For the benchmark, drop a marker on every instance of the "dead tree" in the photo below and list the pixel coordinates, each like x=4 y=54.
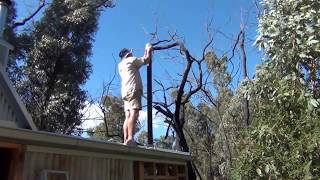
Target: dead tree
x=175 y=118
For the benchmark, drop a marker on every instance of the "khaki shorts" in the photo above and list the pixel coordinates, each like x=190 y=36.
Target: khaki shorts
x=133 y=101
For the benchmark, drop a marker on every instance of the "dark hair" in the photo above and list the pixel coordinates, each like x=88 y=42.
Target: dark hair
x=124 y=52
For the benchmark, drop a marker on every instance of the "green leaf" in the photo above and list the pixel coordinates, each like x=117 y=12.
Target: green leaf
x=313 y=42
x=267 y=169
x=314 y=102
x=259 y=172
x=306 y=170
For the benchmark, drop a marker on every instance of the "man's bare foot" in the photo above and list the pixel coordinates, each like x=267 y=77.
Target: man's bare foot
x=131 y=143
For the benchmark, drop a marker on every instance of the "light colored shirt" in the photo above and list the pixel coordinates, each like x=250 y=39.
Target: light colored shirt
x=130 y=75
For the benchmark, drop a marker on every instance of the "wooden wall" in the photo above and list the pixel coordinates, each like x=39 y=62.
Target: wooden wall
x=78 y=167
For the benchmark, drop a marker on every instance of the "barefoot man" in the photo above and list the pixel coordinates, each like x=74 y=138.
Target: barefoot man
x=132 y=89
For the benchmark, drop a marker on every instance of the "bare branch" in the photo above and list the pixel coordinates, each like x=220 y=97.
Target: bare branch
x=156 y=43
x=25 y=20
x=166 y=46
x=162 y=111
x=163 y=91
x=257 y=8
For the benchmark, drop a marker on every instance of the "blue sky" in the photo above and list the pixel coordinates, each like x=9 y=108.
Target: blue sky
x=126 y=25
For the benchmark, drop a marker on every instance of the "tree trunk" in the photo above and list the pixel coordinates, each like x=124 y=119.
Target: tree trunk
x=245 y=76
x=185 y=148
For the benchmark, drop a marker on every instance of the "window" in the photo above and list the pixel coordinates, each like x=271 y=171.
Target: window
x=54 y=175
x=159 y=171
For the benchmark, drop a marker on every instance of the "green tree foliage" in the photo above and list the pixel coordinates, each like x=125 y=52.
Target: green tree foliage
x=57 y=65
x=142 y=137
x=165 y=142
x=162 y=142
x=284 y=139
x=112 y=127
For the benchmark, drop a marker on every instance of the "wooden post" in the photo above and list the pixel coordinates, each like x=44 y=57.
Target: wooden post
x=149 y=103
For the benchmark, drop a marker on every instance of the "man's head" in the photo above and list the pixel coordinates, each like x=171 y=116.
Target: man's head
x=124 y=53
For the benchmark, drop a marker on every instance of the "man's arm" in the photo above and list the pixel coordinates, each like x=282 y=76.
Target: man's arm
x=145 y=59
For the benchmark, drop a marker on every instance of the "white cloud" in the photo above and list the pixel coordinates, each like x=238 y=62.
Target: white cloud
x=157 y=120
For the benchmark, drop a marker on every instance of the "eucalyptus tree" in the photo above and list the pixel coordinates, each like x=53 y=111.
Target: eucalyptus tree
x=283 y=141
x=55 y=64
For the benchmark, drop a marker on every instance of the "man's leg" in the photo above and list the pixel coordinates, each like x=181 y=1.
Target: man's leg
x=135 y=106
x=131 y=124
x=125 y=126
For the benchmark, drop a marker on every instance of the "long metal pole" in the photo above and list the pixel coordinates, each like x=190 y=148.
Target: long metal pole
x=149 y=103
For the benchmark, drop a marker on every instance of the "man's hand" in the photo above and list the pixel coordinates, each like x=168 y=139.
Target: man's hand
x=148 y=47
x=148 y=53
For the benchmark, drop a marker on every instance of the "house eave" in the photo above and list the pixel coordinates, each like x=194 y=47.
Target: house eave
x=78 y=145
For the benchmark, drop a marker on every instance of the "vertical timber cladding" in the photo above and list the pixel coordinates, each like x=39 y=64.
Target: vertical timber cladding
x=78 y=167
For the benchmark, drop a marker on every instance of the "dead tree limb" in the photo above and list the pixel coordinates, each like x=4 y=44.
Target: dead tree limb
x=176 y=118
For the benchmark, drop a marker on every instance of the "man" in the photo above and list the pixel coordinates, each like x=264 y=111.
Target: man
x=132 y=89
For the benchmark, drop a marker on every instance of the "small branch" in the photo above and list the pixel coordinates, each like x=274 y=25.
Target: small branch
x=257 y=7
x=235 y=45
x=205 y=48
x=105 y=3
